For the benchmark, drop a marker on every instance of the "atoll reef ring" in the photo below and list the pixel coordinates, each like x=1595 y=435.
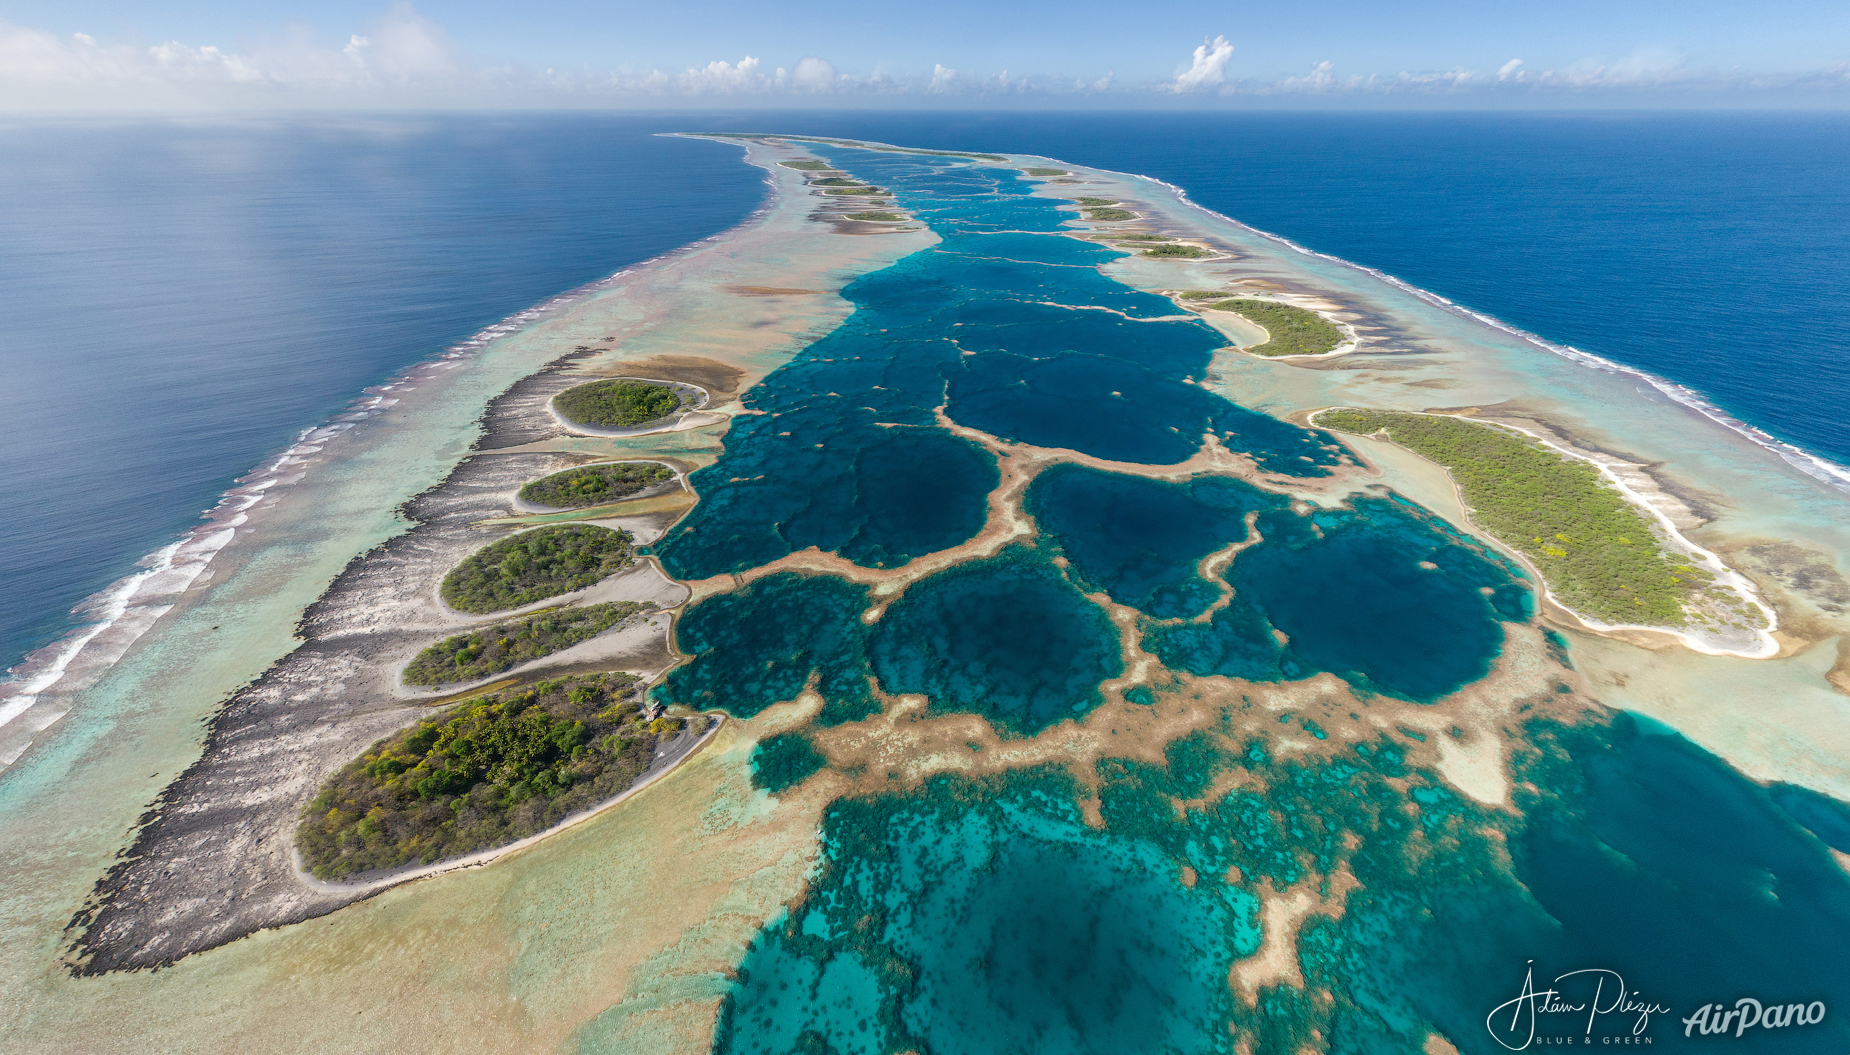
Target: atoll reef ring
x=1076 y=684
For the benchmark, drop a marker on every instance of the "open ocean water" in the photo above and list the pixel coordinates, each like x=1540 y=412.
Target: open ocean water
x=185 y=297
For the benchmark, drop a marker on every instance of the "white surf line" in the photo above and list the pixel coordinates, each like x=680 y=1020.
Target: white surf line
x=1768 y=646
x=1812 y=465
x=484 y=857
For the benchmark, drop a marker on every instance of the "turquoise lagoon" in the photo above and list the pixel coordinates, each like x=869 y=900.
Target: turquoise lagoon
x=984 y=914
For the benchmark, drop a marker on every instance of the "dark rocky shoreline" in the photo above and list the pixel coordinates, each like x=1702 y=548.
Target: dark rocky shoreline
x=213 y=859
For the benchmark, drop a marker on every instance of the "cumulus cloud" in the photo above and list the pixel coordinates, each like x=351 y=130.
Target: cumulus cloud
x=1208 y=69
x=715 y=78
x=943 y=78
x=814 y=75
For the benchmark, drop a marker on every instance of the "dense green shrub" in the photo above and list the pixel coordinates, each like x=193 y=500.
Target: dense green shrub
x=835 y=181
x=854 y=191
x=784 y=761
x=1045 y=172
x=589 y=485
x=805 y=166
x=616 y=403
x=1105 y=215
x=1187 y=252
x=1094 y=202
x=1598 y=553
x=876 y=217
x=494 y=649
x=1293 y=330
x=535 y=565
x=484 y=773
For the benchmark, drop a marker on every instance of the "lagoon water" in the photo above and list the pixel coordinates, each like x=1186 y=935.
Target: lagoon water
x=976 y=911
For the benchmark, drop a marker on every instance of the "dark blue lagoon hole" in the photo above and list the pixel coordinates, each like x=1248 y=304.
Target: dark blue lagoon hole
x=1141 y=540
x=1383 y=594
x=1007 y=638
x=759 y=645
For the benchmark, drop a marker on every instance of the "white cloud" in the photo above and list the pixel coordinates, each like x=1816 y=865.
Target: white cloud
x=1208 y=68
x=719 y=78
x=814 y=75
x=1504 y=71
x=943 y=78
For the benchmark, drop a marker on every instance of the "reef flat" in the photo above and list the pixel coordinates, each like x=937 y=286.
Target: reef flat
x=1089 y=697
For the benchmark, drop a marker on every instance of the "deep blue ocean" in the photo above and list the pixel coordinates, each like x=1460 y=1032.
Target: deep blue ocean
x=184 y=297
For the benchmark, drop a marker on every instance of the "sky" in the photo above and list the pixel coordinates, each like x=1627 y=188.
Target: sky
x=629 y=54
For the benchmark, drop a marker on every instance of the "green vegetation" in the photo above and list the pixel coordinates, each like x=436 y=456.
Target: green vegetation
x=1184 y=252
x=1293 y=330
x=1105 y=215
x=588 y=485
x=1202 y=294
x=784 y=761
x=535 y=565
x=835 y=181
x=616 y=403
x=494 y=649
x=876 y=217
x=1597 y=551
x=482 y=774
x=859 y=191
x=806 y=166
x=1096 y=201
x=1144 y=238
x=1045 y=172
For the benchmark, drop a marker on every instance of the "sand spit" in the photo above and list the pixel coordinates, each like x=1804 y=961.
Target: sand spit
x=213 y=860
